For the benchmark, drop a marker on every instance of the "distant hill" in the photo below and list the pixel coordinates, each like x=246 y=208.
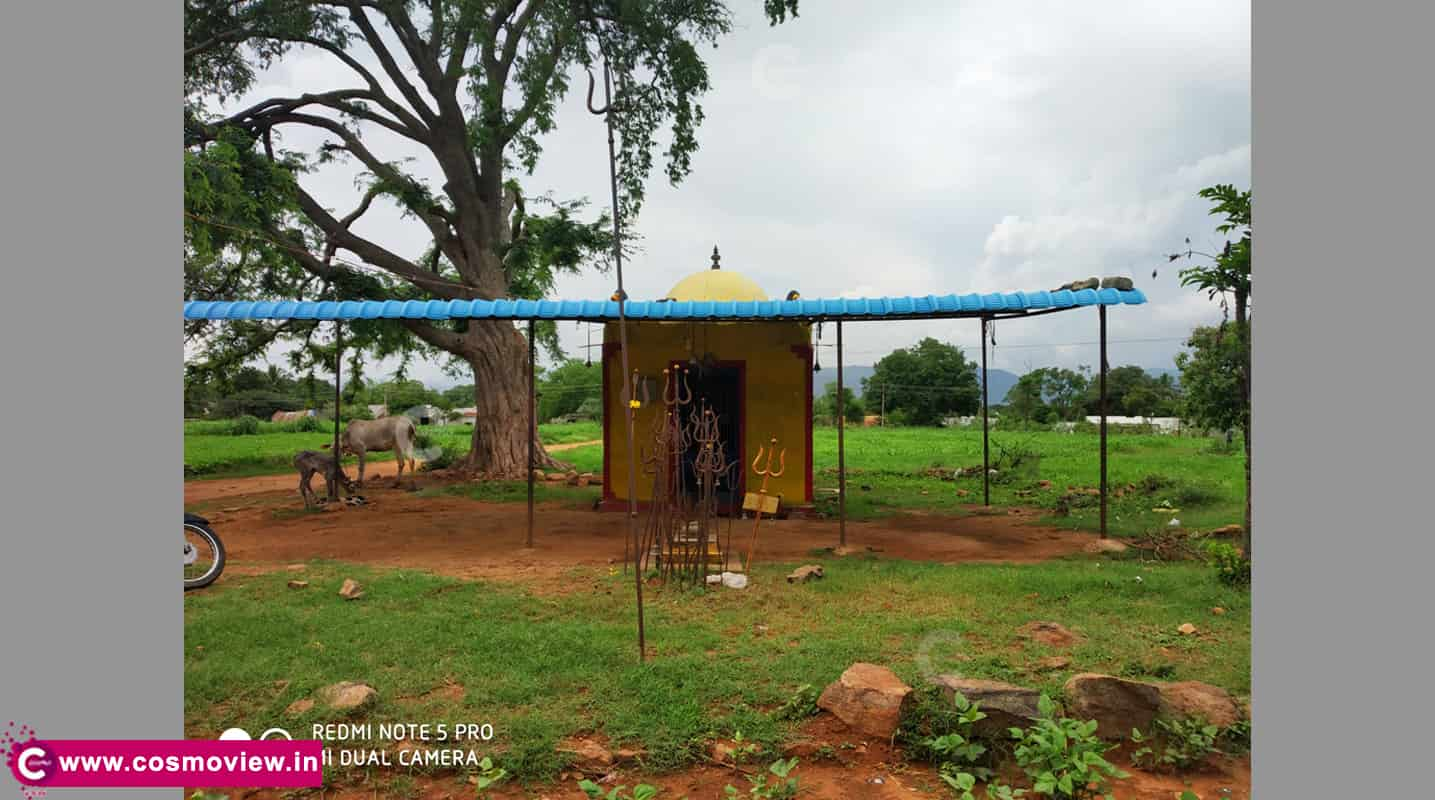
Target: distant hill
x=1002 y=380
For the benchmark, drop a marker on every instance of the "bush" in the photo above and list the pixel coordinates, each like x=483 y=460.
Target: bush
x=1063 y=757
x=254 y=402
x=307 y=425
x=1231 y=566
x=244 y=426
x=1174 y=744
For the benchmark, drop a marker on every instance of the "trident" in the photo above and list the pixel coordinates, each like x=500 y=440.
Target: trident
x=766 y=472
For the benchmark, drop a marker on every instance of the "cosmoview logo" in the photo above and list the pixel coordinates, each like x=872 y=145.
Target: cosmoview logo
x=35 y=762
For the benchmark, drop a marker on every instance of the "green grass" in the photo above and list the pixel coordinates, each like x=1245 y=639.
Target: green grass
x=542 y=667
x=902 y=466
x=210 y=451
x=1206 y=486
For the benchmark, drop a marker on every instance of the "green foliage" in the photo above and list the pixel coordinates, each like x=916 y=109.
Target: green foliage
x=476 y=99
x=260 y=403
x=1231 y=566
x=642 y=791
x=1063 y=757
x=824 y=407
x=1235 y=739
x=1134 y=392
x=956 y=752
x=1210 y=374
x=488 y=776
x=925 y=382
x=1174 y=744
x=564 y=389
x=775 y=784
x=1049 y=394
x=245 y=426
x=963 y=785
x=801 y=705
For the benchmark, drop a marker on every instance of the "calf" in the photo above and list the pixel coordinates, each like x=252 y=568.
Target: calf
x=309 y=462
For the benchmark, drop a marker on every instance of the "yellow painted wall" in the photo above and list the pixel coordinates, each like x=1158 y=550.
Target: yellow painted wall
x=776 y=387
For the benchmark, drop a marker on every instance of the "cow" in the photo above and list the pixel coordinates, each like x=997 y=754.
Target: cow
x=309 y=462
x=395 y=434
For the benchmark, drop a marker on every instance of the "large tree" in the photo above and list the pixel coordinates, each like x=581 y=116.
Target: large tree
x=924 y=383
x=1227 y=275
x=471 y=85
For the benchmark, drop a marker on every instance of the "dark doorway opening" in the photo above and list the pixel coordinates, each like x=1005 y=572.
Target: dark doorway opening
x=720 y=387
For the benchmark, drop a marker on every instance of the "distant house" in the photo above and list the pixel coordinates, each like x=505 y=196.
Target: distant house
x=290 y=416
x=428 y=415
x=1161 y=424
x=466 y=416
x=378 y=411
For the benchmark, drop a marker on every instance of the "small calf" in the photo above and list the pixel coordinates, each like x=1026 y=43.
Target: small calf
x=309 y=462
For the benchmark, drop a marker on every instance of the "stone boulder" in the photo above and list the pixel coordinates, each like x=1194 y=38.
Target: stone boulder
x=1006 y=705
x=1116 y=704
x=805 y=573
x=586 y=755
x=868 y=698
x=351 y=590
x=347 y=696
x=1052 y=634
x=1200 y=700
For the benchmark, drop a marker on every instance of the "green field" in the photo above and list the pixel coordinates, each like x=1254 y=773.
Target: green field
x=541 y=667
x=890 y=470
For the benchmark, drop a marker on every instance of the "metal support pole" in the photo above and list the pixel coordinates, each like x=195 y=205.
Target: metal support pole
x=986 y=441
x=841 y=448
x=627 y=393
x=1101 y=310
x=532 y=429
x=338 y=454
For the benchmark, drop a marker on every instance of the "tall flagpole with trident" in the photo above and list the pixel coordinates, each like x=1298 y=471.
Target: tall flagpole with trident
x=761 y=502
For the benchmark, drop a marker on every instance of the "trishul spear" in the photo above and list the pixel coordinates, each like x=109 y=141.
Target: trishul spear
x=766 y=472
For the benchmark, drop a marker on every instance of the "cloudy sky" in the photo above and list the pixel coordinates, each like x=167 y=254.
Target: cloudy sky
x=945 y=147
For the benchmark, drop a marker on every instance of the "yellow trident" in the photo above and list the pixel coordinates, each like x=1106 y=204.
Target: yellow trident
x=760 y=501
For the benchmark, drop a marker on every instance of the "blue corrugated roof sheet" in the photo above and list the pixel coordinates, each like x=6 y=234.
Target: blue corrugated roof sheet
x=916 y=307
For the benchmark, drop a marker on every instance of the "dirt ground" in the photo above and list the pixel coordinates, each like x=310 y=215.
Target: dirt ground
x=262 y=524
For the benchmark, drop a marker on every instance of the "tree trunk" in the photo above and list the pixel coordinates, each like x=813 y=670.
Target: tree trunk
x=1243 y=335
x=498 y=355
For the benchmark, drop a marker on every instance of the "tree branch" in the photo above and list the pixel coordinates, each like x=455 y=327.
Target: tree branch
x=391 y=67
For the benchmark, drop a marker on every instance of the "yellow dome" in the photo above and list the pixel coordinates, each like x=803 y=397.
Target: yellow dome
x=717 y=284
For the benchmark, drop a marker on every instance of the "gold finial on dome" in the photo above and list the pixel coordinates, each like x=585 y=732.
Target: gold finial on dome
x=716 y=258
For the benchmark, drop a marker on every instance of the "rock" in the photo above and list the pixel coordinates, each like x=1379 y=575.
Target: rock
x=1187 y=629
x=1200 y=700
x=1051 y=663
x=586 y=755
x=299 y=707
x=1048 y=633
x=538 y=475
x=1005 y=704
x=347 y=696
x=628 y=755
x=868 y=698
x=805 y=573
x=298 y=584
x=801 y=748
x=1218 y=611
x=1044 y=484
x=1105 y=546
x=846 y=550
x=1119 y=283
x=721 y=752
x=1117 y=705
x=1227 y=530
x=351 y=590
x=962 y=493
x=554 y=477
x=584 y=479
